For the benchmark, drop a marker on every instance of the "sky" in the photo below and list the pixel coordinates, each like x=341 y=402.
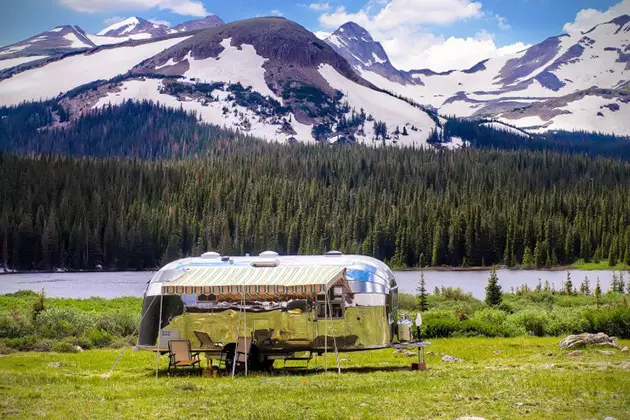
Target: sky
x=435 y=34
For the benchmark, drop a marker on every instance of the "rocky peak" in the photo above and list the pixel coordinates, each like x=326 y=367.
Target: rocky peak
x=134 y=26
x=209 y=21
x=356 y=45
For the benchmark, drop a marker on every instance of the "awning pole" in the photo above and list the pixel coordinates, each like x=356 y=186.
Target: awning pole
x=238 y=332
x=326 y=331
x=334 y=339
x=245 y=333
x=157 y=357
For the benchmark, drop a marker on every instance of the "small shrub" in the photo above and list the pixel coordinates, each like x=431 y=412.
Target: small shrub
x=532 y=321
x=63 y=347
x=63 y=322
x=99 y=338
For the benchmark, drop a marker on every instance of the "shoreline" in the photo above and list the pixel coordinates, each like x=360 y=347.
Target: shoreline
x=412 y=269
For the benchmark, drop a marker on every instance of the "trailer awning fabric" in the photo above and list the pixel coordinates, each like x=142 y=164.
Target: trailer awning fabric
x=261 y=282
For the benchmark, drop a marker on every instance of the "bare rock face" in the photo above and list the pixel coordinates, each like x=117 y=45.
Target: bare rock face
x=576 y=353
x=451 y=359
x=62 y=39
x=192 y=25
x=356 y=45
x=586 y=339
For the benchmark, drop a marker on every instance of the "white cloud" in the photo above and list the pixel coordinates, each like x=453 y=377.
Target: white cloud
x=276 y=12
x=440 y=54
x=404 y=12
x=588 y=18
x=320 y=7
x=159 y=21
x=400 y=26
x=114 y=19
x=502 y=22
x=180 y=7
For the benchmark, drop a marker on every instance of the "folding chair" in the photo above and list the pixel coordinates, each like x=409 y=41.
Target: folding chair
x=180 y=355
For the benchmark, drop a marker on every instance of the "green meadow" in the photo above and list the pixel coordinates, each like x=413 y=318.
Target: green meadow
x=499 y=378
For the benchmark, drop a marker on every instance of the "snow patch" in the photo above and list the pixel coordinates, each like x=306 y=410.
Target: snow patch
x=212 y=113
x=12 y=62
x=130 y=22
x=393 y=111
x=502 y=127
x=62 y=75
x=231 y=66
x=75 y=42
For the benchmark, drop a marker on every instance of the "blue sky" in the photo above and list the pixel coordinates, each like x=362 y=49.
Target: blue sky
x=412 y=31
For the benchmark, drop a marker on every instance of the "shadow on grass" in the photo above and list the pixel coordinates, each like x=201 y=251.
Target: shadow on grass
x=226 y=373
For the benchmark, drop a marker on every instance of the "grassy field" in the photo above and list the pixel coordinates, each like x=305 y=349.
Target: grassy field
x=500 y=378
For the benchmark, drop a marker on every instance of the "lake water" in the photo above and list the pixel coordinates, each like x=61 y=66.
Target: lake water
x=110 y=285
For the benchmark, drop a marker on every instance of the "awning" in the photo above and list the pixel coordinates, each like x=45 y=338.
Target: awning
x=227 y=283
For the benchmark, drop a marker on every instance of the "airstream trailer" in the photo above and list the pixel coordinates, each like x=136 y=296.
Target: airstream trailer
x=284 y=304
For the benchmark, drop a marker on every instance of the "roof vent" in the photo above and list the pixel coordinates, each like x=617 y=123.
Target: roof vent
x=210 y=255
x=265 y=262
x=268 y=254
x=334 y=253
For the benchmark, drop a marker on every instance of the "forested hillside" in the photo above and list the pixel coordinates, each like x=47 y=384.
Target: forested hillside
x=469 y=207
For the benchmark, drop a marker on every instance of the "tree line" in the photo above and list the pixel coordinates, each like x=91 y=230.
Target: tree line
x=407 y=207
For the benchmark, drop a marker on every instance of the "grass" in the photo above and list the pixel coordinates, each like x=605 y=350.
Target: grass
x=500 y=378
x=601 y=265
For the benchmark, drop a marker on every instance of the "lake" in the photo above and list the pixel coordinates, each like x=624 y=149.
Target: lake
x=127 y=283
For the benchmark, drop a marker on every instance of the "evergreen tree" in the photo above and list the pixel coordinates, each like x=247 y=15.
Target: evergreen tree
x=598 y=293
x=585 y=287
x=568 y=285
x=494 y=295
x=422 y=294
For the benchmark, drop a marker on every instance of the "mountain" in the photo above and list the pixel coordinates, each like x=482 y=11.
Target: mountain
x=357 y=46
x=209 y=21
x=135 y=26
x=61 y=39
x=268 y=77
x=567 y=82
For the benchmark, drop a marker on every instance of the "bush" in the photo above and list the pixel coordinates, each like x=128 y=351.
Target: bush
x=614 y=322
x=63 y=322
x=15 y=324
x=118 y=323
x=490 y=315
x=564 y=321
x=532 y=321
x=99 y=338
x=64 y=346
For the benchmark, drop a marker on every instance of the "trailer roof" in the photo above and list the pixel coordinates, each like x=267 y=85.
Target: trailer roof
x=256 y=282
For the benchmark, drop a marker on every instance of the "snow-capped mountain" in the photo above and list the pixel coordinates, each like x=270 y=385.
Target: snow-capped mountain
x=138 y=28
x=58 y=40
x=356 y=45
x=135 y=26
x=269 y=77
x=569 y=82
x=192 y=25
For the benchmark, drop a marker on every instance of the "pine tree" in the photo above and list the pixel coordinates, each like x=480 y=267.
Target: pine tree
x=494 y=295
x=568 y=285
x=598 y=293
x=528 y=259
x=422 y=293
x=614 y=283
x=622 y=283
x=585 y=287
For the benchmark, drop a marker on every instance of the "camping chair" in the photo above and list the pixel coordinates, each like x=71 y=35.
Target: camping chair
x=243 y=349
x=207 y=343
x=180 y=355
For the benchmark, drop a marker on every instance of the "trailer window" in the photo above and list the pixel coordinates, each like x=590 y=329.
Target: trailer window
x=336 y=302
